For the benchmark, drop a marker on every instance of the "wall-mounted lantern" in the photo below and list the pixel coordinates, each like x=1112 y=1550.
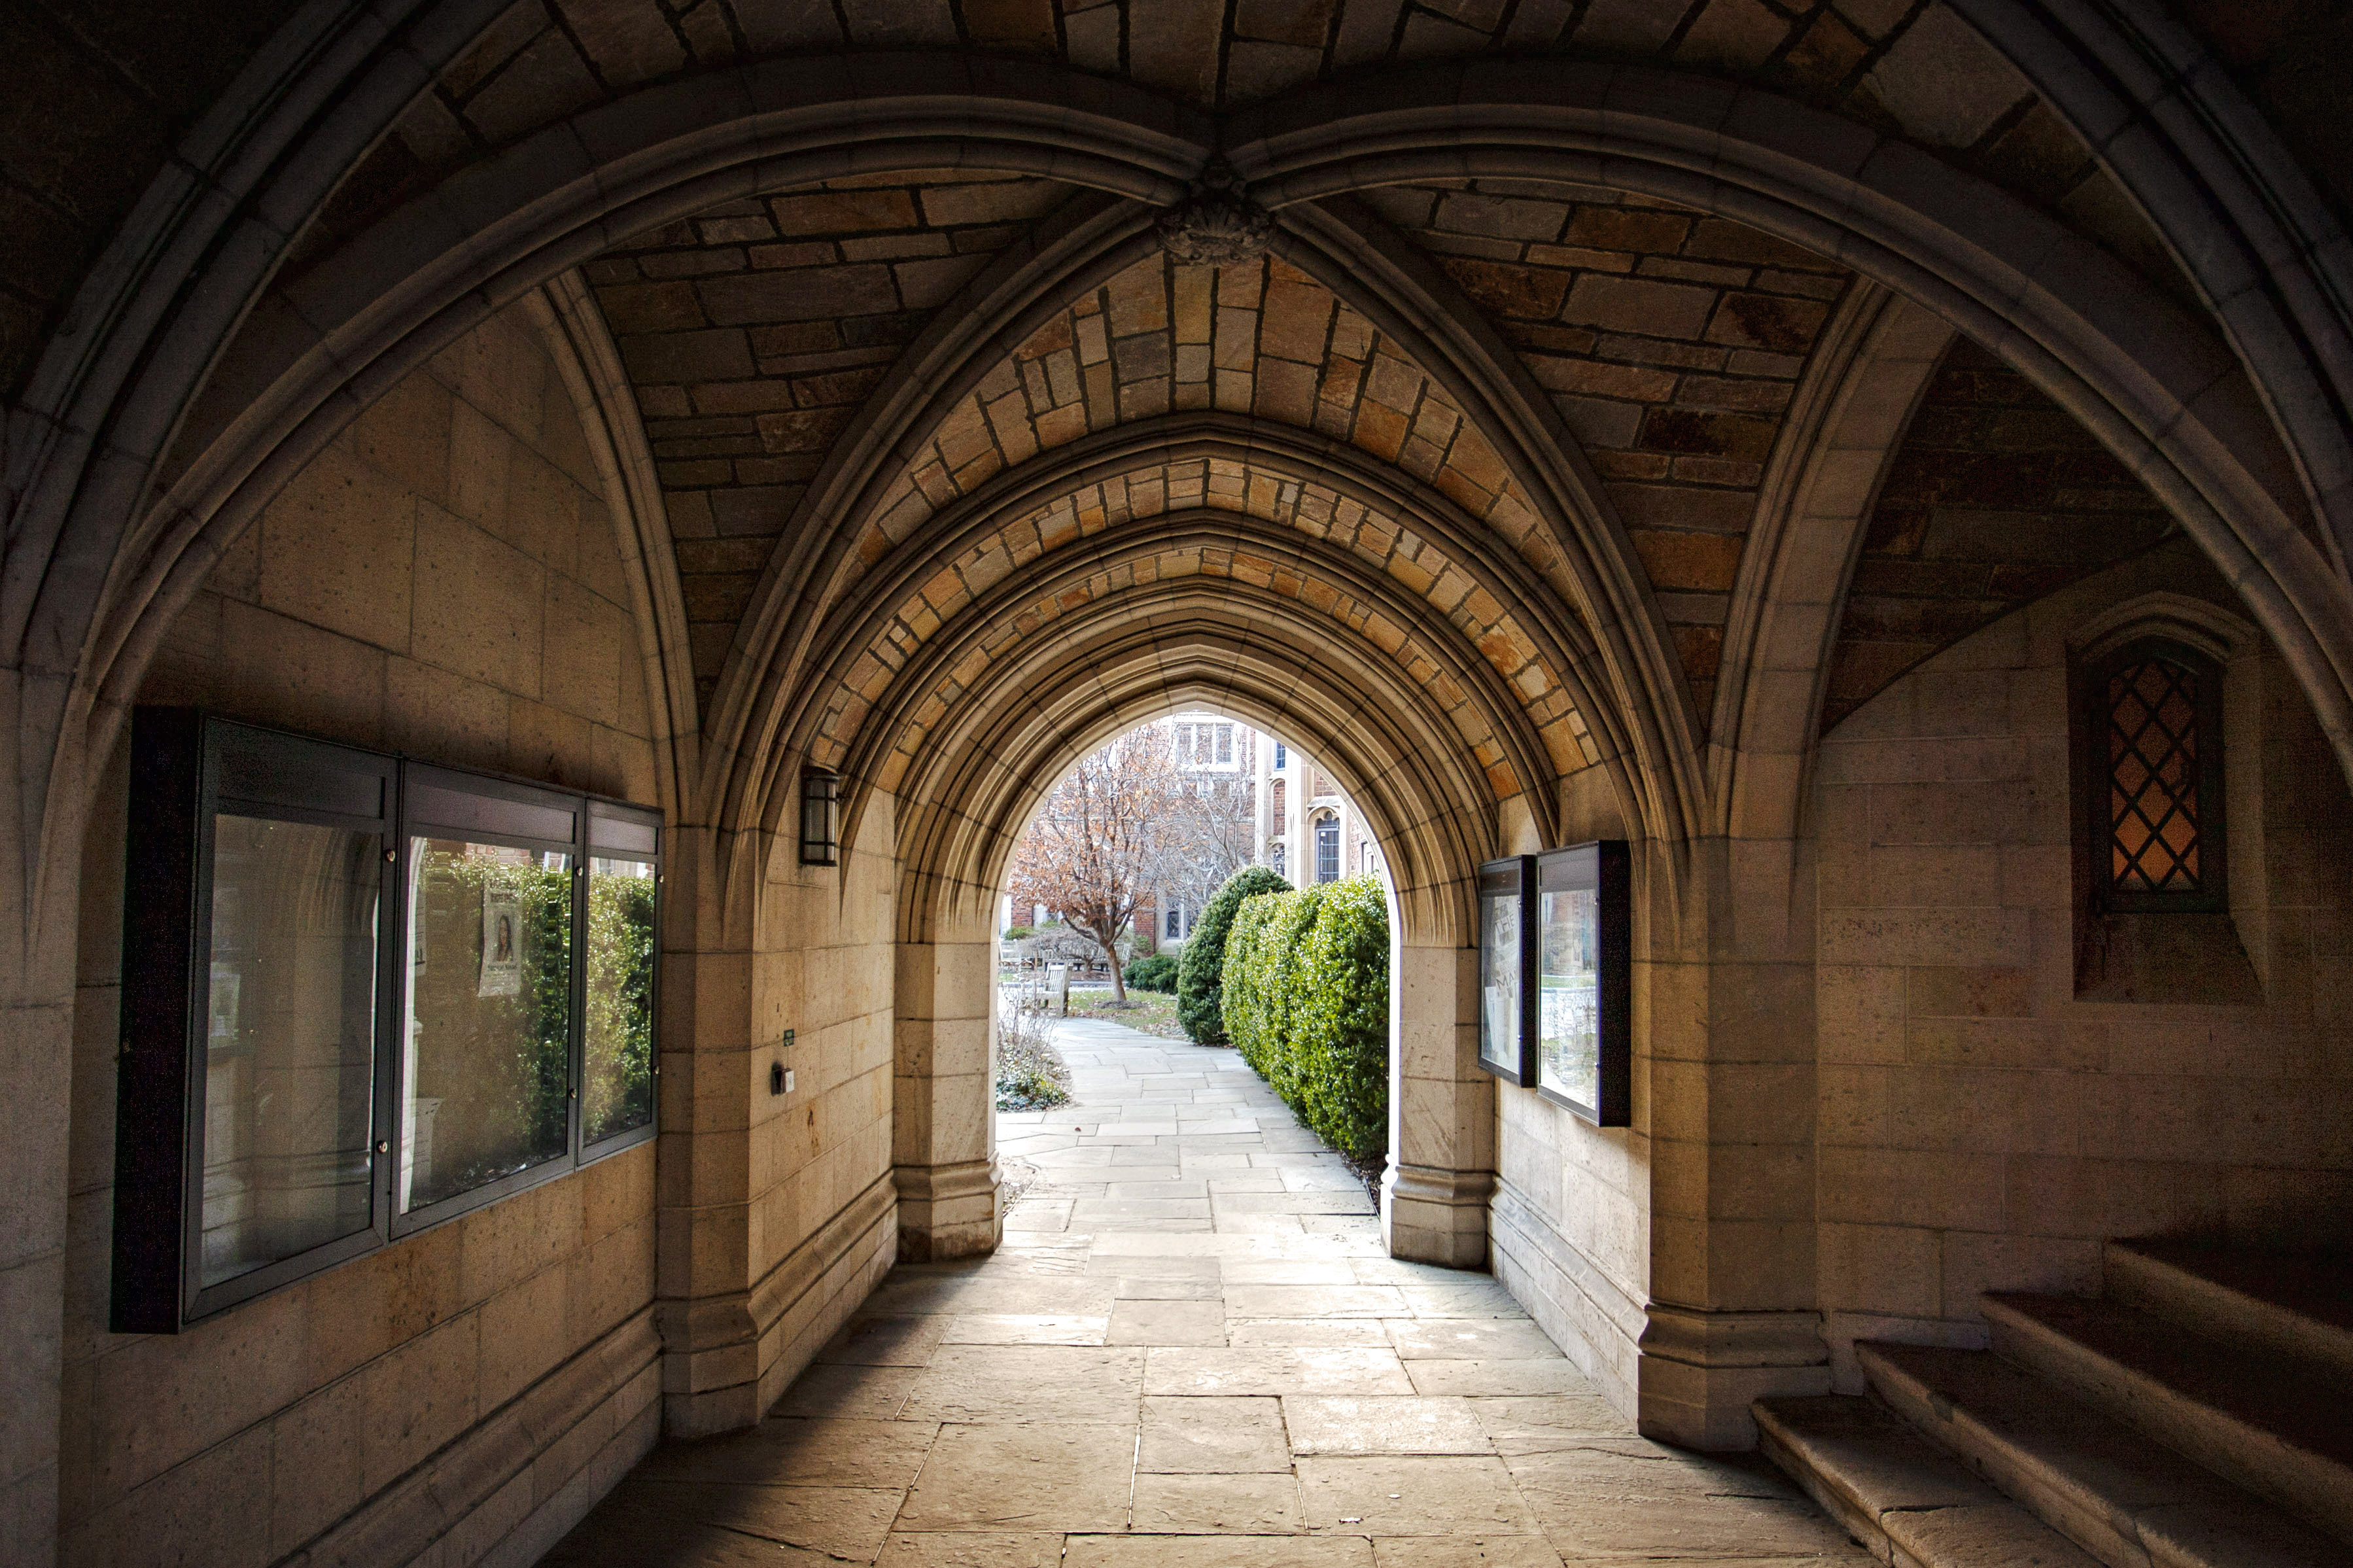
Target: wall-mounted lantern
x=820 y=818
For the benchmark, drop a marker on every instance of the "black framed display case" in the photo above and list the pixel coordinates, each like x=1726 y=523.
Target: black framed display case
x=1581 y=937
x=1507 y=989
x=362 y=996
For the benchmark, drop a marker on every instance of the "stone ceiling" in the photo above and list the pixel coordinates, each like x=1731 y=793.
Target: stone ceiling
x=1995 y=497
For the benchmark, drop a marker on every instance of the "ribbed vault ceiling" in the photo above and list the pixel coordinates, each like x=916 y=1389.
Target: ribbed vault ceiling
x=879 y=318
x=1171 y=433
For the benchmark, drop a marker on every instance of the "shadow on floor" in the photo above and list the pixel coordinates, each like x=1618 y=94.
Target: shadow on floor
x=1191 y=1352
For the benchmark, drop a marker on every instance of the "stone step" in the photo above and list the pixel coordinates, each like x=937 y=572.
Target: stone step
x=2246 y=1417
x=2297 y=1308
x=1902 y=1500
x=2127 y=1501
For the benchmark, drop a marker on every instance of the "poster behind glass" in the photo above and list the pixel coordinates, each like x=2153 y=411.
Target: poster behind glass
x=1582 y=900
x=1506 y=1041
x=487 y=1062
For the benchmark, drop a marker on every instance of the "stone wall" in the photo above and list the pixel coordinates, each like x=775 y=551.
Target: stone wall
x=443 y=580
x=1570 y=1227
x=824 y=1225
x=1979 y=1127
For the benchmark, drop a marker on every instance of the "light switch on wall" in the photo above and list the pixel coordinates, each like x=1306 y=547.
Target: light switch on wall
x=780 y=1077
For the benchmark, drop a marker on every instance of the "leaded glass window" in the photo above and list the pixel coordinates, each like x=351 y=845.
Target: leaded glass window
x=2153 y=778
x=2156 y=775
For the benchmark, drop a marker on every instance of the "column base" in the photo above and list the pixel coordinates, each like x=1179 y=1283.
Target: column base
x=1433 y=1216
x=948 y=1211
x=728 y=1355
x=1700 y=1370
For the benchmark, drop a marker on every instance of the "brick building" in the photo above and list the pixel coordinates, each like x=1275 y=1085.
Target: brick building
x=1292 y=815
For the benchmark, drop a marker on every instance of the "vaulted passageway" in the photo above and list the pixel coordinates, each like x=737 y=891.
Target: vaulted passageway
x=1737 y=430
x=1191 y=1347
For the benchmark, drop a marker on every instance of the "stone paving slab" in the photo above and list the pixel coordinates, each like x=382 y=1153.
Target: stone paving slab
x=1192 y=1350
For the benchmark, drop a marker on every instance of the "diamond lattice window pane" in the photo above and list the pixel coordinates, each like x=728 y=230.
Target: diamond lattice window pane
x=2153 y=836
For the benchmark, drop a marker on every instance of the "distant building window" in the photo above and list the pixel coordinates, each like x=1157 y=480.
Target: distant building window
x=1282 y=756
x=1328 y=850
x=1278 y=860
x=1176 y=924
x=1225 y=742
x=2156 y=776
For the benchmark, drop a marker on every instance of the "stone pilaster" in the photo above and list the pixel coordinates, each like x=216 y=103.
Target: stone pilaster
x=943 y=1132
x=1728 y=994
x=1441 y=1114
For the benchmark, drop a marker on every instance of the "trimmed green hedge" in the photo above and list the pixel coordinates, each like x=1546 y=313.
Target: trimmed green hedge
x=1200 y=975
x=1307 y=1002
x=1158 y=972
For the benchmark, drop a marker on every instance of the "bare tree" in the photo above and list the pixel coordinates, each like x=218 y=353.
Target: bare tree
x=1124 y=822
x=1216 y=833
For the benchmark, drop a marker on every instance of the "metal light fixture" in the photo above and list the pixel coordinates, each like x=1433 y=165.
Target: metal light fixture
x=820 y=818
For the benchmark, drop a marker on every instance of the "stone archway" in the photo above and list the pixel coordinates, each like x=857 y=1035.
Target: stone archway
x=1201 y=643
x=1570 y=682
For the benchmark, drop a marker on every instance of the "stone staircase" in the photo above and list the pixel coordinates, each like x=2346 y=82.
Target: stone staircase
x=2200 y=1415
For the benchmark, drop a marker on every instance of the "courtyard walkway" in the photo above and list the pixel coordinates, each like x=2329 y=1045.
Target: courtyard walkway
x=1191 y=1352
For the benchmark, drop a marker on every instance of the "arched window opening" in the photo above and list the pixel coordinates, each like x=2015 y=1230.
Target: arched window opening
x=2154 y=805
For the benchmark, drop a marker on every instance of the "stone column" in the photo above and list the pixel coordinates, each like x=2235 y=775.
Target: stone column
x=710 y=1340
x=1727 y=994
x=38 y=921
x=944 y=1127
x=1441 y=1106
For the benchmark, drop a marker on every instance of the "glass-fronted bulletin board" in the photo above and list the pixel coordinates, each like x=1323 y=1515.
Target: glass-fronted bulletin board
x=1508 y=1034
x=1555 y=933
x=362 y=996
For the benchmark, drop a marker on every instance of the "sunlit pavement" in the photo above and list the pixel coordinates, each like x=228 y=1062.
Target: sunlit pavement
x=1191 y=1351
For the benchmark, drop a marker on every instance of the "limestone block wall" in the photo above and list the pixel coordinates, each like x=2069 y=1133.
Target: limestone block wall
x=442 y=580
x=1569 y=1227
x=824 y=1214
x=1570 y=1232
x=1979 y=1128
x=777 y=1208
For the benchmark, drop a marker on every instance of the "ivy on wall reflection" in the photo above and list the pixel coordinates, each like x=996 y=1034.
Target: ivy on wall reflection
x=491 y=1015
x=618 y=1093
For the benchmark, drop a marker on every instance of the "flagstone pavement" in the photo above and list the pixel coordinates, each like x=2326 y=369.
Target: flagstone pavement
x=1191 y=1352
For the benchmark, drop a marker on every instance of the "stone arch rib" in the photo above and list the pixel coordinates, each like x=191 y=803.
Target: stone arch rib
x=2168 y=400
x=962 y=806
x=2243 y=221
x=591 y=368
x=860 y=620
x=2158 y=388
x=1849 y=418
x=1486 y=718
x=1399 y=288
x=765 y=680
